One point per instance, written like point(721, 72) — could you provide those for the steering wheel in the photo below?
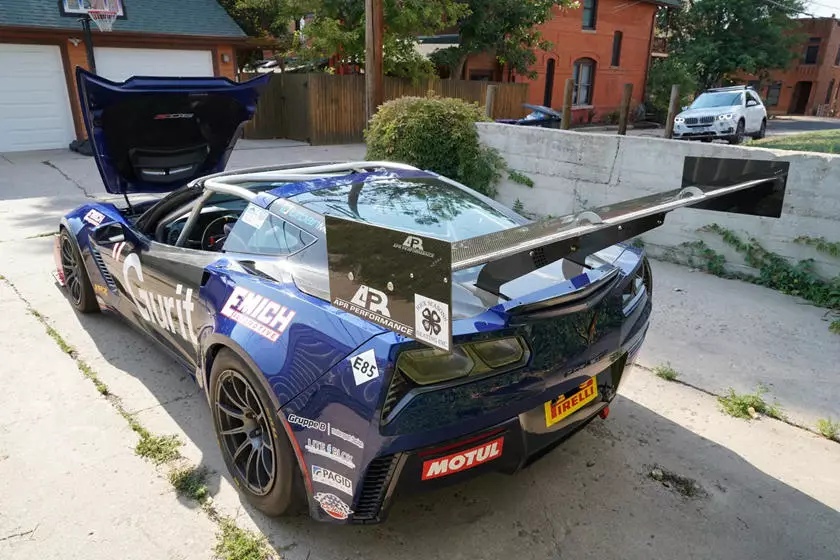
point(216, 232)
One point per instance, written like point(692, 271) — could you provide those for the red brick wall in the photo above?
point(571, 42)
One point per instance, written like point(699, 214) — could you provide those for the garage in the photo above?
point(34, 102)
point(120, 63)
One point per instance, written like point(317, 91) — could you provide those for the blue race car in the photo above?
point(366, 328)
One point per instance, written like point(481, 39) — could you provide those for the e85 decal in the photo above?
point(364, 367)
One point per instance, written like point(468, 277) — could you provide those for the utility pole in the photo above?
point(373, 56)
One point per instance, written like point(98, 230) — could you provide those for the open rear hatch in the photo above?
point(156, 134)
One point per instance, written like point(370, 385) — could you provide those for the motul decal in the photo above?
point(463, 460)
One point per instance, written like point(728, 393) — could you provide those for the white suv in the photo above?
point(728, 113)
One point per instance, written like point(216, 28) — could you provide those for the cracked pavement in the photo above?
point(67, 464)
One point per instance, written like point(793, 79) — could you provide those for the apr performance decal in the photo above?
point(364, 366)
point(333, 505)
point(265, 317)
point(463, 460)
point(158, 308)
point(414, 244)
point(333, 479)
point(372, 304)
point(325, 427)
point(94, 217)
point(329, 451)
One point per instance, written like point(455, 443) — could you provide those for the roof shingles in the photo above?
point(181, 17)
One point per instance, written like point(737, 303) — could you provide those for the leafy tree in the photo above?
point(506, 28)
point(715, 38)
point(664, 73)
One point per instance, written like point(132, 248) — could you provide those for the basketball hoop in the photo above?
point(104, 19)
point(103, 13)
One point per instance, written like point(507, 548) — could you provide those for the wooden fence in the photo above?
point(330, 109)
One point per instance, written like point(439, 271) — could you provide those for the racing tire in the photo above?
point(76, 280)
point(254, 445)
point(738, 137)
point(762, 132)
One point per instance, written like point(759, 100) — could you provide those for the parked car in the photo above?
point(540, 115)
point(360, 329)
point(728, 113)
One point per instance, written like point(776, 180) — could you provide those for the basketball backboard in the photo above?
point(80, 7)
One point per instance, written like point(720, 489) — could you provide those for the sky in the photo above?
point(823, 8)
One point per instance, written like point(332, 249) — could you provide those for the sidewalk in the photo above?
point(71, 486)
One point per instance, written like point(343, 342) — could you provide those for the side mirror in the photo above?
point(109, 233)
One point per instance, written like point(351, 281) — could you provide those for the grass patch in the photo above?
point(234, 543)
point(638, 243)
point(824, 141)
point(158, 449)
point(191, 482)
point(47, 234)
point(835, 326)
point(666, 372)
point(829, 428)
point(739, 405)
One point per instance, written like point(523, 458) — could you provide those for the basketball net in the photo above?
point(103, 13)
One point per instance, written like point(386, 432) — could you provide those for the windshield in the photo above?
point(719, 99)
point(424, 206)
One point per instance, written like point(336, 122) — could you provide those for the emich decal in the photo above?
point(333, 505)
point(265, 317)
point(333, 479)
point(329, 451)
point(158, 308)
point(463, 460)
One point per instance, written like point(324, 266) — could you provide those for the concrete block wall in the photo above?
point(574, 171)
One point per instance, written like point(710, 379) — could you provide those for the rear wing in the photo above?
point(403, 281)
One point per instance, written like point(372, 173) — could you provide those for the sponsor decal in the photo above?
point(329, 451)
point(265, 317)
point(414, 245)
point(372, 304)
point(431, 321)
point(116, 251)
point(333, 479)
point(298, 214)
point(167, 116)
point(561, 407)
point(333, 505)
point(325, 427)
point(254, 216)
point(372, 299)
point(160, 309)
point(94, 217)
point(463, 460)
point(364, 367)
point(100, 289)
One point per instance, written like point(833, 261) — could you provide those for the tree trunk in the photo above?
point(458, 73)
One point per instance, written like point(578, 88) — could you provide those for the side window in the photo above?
point(260, 232)
point(753, 97)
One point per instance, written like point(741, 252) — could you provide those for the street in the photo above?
point(72, 486)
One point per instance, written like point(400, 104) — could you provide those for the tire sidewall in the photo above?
point(281, 496)
point(87, 302)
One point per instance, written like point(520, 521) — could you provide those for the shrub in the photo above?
point(437, 134)
point(611, 117)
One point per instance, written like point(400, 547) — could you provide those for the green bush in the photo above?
point(438, 134)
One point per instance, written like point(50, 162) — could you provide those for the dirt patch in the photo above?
point(682, 485)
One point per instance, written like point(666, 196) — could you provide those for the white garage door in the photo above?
point(120, 64)
point(34, 105)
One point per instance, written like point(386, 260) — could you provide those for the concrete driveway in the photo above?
point(71, 487)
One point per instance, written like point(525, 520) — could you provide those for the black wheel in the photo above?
point(739, 134)
point(762, 132)
point(706, 140)
point(254, 446)
point(75, 275)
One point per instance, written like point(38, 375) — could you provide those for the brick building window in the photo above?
point(812, 51)
point(584, 76)
point(616, 52)
point(773, 92)
point(590, 12)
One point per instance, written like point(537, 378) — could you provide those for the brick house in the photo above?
point(41, 43)
point(603, 45)
point(810, 84)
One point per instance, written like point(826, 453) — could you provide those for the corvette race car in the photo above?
point(362, 329)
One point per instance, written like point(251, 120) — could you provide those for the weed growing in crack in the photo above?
point(235, 543)
point(828, 428)
point(158, 449)
point(739, 405)
point(666, 372)
point(190, 482)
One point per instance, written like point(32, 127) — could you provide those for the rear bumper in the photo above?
point(506, 448)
